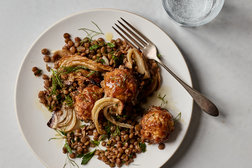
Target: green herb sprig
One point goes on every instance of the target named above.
(59, 135)
(91, 33)
(71, 162)
(100, 60)
(178, 117)
(87, 157)
(107, 128)
(94, 47)
(142, 146)
(69, 100)
(117, 131)
(91, 73)
(56, 82)
(68, 148)
(162, 98)
(96, 143)
(73, 69)
(111, 45)
(118, 59)
(57, 78)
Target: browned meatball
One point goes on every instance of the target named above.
(121, 84)
(85, 100)
(157, 125)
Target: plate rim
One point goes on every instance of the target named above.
(75, 14)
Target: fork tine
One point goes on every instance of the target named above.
(133, 34)
(138, 32)
(132, 39)
(132, 45)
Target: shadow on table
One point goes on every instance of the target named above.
(219, 27)
(193, 127)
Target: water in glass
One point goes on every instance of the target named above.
(191, 11)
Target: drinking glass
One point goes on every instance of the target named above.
(192, 12)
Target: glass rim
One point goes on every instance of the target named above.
(212, 14)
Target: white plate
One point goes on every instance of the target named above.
(33, 121)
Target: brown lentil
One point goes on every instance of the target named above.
(77, 39)
(87, 51)
(47, 58)
(41, 94)
(47, 83)
(77, 44)
(48, 68)
(34, 69)
(70, 43)
(86, 45)
(161, 146)
(65, 47)
(103, 143)
(45, 51)
(79, 149)
(119, 149)
(55, 57)
(87, 143)
(66, 35)
(64, 150)
(97, 152)
(45, 77)
(72, 155)
(66, 40)
(72, 49)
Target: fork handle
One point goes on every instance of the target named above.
(204, 103)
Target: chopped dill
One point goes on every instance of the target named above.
(70, 161)
(111, 45)
(142, 146)
(59, 135)
(57, 78)
(56, 82)
(69, 100)
(117, 131)
(38, 72)
(107, 128)
(91, 73)
(178, 117)
(73, 68)
(68, 148)
(162, 98)
(62, 133)
(103, 137)
(94, 47)
(55, 138)
(96, 143)
(100, 60)
(118, 59)
(91, 33)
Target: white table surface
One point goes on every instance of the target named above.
(219, 58)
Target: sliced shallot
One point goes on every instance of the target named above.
(109, 117)
(141, 64)
(76, 60)
(101, 105)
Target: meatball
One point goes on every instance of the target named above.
(156, 125)
(121, 84)
(85, 100)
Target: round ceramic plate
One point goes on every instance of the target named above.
(32, 117)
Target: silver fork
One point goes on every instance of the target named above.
(141, 42)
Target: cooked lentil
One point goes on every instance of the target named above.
(122, 145)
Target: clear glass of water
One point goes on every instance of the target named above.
(192, 12)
